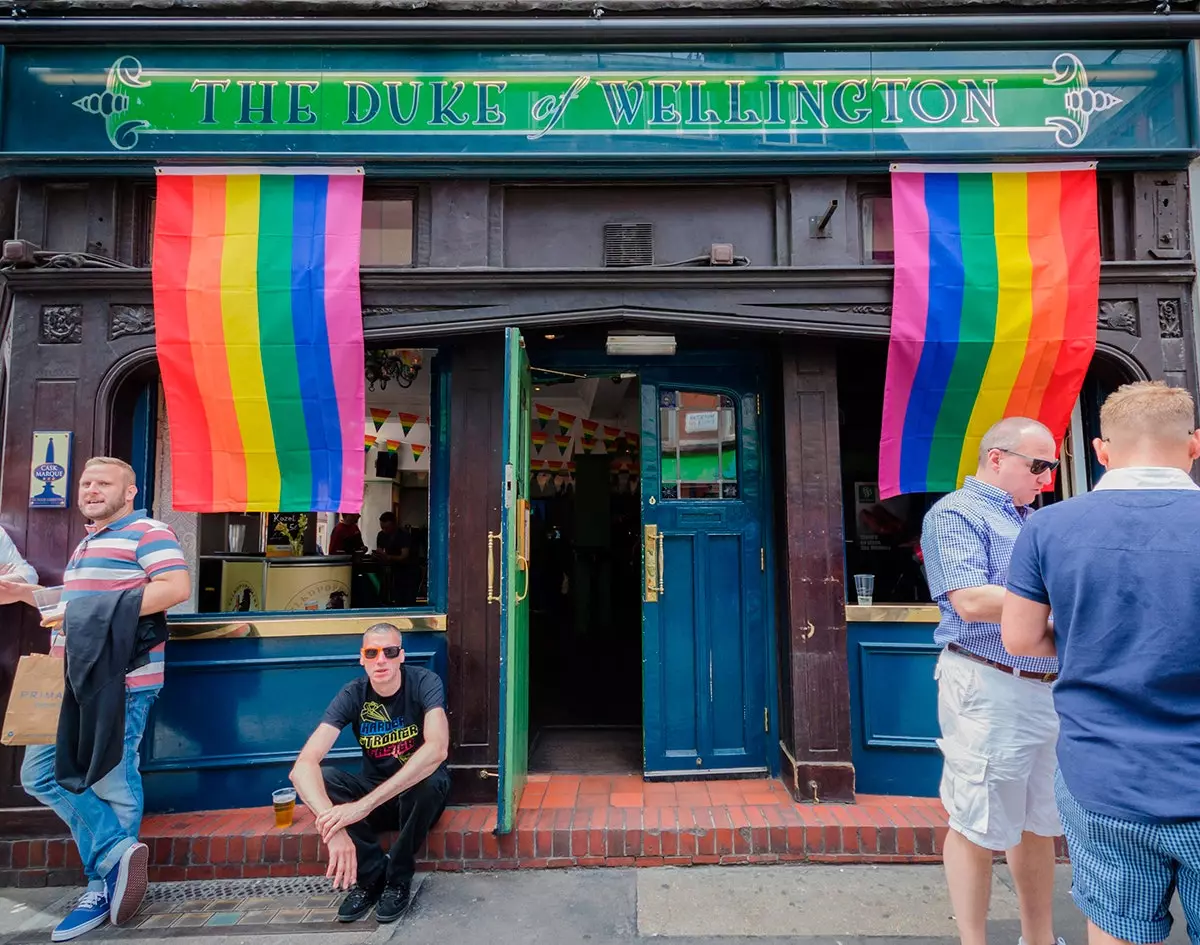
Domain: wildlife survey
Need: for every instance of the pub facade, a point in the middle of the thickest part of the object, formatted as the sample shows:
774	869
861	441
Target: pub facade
626	304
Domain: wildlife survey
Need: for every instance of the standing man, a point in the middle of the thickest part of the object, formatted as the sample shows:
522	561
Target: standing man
398	714
995	709
1120	567
123	549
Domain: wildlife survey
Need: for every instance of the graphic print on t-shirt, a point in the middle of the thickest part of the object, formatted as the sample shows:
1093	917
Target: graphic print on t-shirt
381	736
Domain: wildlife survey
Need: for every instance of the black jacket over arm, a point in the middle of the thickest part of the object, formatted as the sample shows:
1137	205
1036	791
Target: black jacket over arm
106	638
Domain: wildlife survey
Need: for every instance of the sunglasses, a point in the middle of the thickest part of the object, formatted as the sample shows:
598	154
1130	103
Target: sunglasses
372	652
1036	466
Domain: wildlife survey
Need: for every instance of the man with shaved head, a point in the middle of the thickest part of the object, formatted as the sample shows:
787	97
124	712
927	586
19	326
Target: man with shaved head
398	715
1120	567
995	708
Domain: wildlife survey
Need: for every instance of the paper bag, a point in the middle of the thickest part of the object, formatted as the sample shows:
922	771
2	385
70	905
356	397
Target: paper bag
33	706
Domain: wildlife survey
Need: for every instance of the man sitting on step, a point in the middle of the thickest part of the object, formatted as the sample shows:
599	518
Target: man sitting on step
398	714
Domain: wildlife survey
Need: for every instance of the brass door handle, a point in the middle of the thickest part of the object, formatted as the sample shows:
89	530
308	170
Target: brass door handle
651	542
662	564
523	565
492	596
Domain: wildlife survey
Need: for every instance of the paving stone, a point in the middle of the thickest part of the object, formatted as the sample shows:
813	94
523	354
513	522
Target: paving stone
321	915
258	917
224	918
289	916
192	920
160	920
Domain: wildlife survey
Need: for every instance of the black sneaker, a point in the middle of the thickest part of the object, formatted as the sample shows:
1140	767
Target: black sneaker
358	903
393	903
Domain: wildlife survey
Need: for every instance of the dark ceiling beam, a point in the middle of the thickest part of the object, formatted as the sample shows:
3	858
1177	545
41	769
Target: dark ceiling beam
609	30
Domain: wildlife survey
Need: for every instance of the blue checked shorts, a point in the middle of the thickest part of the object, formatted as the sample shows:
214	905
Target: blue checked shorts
1125	873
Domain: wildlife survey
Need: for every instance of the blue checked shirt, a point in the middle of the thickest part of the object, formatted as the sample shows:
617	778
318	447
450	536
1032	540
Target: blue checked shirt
967	539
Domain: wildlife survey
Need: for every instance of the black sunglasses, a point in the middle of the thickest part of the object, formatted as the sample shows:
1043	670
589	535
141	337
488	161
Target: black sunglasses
372	652
1036	466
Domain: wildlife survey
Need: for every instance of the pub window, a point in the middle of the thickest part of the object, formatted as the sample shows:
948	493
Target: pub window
324	562
387	231
878	246
1114	208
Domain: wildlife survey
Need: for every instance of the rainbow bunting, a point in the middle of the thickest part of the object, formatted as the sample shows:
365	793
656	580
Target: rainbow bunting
565	422
589	426
589	439
379	416
393	446
570	467
407	420
417	450
611	434
994	311
554	464
544	414
258	323
539	439
562	442
369	440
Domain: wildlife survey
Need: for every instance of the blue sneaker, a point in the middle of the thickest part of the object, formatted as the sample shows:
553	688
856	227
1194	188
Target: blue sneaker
89	913
126	883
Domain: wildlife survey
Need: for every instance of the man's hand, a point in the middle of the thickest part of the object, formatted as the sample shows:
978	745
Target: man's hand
13	592
343	860
340	817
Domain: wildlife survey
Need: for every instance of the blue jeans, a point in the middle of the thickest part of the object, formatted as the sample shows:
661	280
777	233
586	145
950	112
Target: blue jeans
106	817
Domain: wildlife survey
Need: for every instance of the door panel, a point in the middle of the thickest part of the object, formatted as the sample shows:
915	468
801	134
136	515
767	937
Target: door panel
705	639
513	593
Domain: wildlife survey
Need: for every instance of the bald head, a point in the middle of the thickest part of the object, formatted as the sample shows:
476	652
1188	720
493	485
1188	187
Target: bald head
1148	424
1008	434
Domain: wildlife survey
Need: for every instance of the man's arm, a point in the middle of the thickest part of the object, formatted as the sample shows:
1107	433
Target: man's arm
978	604
1025	627
424	762
956	566
309	783
165	590
17	576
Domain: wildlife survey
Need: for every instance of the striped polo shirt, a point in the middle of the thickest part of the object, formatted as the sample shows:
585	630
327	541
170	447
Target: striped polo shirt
124	554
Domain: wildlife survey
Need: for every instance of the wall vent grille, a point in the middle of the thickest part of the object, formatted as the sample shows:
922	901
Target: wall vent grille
628	244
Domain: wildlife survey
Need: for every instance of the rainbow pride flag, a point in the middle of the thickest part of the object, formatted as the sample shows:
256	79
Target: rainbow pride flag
993	314
258	323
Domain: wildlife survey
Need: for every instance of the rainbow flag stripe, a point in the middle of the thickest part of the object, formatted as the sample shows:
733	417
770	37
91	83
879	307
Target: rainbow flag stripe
993	315
258	322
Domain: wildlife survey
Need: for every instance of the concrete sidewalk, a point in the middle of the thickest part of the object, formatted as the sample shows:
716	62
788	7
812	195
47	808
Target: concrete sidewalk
751	905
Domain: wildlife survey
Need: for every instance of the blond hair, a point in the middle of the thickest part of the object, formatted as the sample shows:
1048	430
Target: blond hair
113	461
1148	409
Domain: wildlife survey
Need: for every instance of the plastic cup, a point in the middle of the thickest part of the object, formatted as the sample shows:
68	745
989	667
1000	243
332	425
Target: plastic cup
50	604
284	801
864	588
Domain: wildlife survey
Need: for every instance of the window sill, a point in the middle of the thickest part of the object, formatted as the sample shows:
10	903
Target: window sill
235	626
893	613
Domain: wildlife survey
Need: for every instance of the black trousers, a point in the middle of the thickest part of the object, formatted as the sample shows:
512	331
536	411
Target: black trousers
413	814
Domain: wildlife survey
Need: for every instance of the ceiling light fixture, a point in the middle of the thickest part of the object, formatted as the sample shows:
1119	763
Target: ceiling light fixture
640	344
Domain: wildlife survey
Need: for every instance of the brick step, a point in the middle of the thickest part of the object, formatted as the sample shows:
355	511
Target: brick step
555	828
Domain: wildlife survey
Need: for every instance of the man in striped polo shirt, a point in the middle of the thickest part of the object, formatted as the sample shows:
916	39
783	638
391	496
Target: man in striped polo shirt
123	549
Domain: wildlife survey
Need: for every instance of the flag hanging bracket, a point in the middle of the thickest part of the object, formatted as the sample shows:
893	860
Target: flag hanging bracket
818	226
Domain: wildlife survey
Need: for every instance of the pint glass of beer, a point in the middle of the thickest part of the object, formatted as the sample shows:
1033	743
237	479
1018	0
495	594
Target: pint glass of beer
285	806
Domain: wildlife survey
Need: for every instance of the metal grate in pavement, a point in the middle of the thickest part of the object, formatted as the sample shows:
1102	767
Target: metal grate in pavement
220	907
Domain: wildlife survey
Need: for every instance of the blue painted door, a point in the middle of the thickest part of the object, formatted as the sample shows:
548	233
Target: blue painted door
705	629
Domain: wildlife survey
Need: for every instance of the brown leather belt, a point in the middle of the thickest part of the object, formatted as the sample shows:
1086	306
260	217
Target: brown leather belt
1023	673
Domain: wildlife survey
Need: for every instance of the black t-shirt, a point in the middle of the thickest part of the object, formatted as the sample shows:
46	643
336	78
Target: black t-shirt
389	728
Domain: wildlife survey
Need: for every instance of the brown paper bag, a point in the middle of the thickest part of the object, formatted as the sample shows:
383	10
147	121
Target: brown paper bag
33	706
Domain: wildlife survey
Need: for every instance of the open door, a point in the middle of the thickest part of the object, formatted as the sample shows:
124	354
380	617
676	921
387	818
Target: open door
511	592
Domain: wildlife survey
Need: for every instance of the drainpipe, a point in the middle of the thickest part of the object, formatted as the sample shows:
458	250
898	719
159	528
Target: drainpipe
627	32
